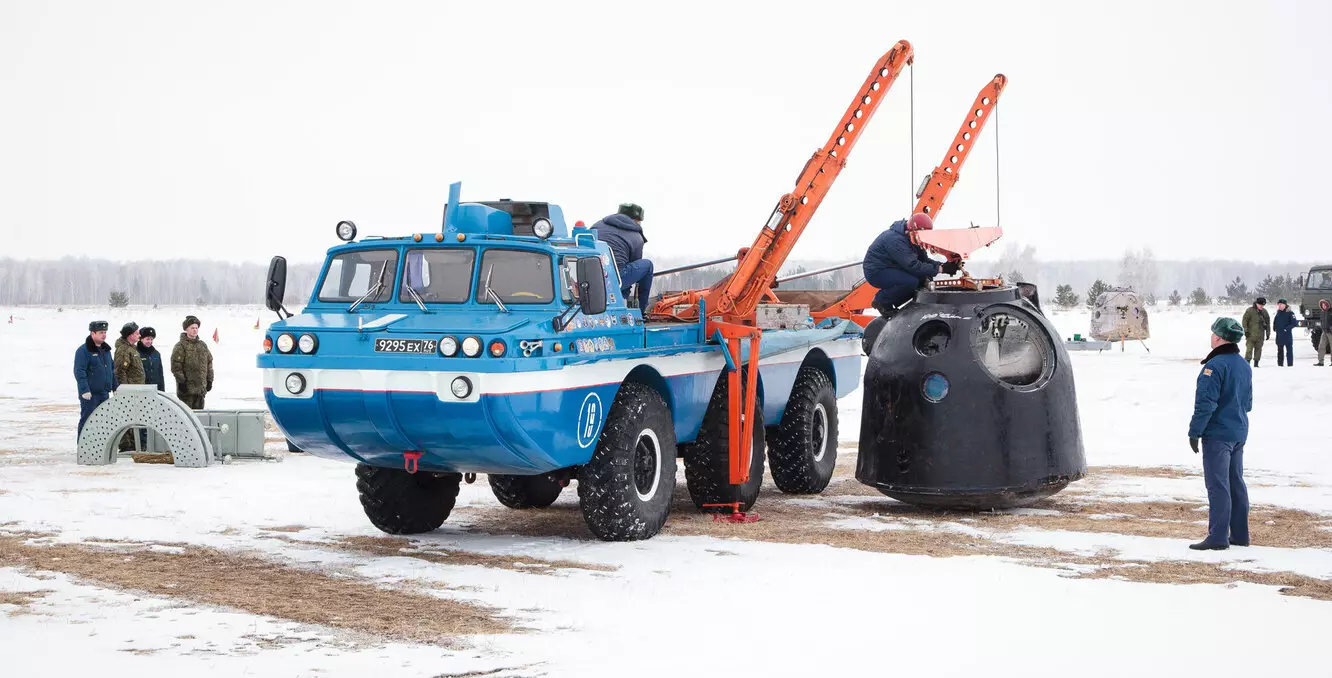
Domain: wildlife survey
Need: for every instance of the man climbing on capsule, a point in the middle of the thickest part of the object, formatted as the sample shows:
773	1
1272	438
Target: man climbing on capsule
900	267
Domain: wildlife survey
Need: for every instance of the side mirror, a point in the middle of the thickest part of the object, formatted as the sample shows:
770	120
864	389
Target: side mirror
591	285
276	289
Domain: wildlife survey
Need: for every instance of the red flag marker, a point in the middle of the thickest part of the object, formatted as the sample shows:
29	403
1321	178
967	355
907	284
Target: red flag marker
214	336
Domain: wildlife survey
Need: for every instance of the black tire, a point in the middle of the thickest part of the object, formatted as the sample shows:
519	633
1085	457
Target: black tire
625	490
1315	334
708	462
399	502
525	492
802	449
872	331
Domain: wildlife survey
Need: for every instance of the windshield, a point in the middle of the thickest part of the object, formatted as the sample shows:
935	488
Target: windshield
1319	280
441	276
517	277
352	274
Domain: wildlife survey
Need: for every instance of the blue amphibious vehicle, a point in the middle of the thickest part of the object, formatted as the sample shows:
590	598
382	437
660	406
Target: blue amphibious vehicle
500	345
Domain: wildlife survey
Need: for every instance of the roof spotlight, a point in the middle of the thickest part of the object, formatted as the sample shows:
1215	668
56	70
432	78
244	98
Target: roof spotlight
543	228
346	231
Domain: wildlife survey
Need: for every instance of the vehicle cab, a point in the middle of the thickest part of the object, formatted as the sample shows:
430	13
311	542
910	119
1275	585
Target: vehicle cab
405	337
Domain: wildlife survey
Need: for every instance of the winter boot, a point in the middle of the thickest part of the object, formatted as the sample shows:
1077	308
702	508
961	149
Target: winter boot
1204	546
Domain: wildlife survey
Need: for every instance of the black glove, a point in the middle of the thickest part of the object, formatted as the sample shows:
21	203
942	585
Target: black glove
1193	443
950	267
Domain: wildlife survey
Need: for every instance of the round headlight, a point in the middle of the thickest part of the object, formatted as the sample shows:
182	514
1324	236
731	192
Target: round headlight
307	343
461	387
346	231
543	228
286	343
295	384
448	347
471	347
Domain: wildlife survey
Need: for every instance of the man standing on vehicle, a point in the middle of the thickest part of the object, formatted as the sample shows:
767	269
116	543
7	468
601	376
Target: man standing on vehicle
1284	325
623	233
94	371
192	365
1257	329
1324	322
1221	408
899	267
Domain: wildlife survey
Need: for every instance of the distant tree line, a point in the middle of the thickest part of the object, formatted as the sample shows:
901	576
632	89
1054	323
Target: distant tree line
88	282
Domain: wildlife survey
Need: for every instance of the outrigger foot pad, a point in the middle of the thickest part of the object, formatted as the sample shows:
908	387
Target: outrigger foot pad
739	517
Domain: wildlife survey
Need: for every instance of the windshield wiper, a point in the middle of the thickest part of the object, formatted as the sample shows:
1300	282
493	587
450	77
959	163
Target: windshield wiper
490	293
374	289
417	298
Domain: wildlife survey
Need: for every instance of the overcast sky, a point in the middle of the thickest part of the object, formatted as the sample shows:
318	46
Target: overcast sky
240	130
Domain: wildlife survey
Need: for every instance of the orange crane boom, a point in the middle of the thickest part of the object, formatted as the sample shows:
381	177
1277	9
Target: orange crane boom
736	297
930	197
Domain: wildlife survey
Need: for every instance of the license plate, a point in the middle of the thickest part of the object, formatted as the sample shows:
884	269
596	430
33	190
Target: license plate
384	345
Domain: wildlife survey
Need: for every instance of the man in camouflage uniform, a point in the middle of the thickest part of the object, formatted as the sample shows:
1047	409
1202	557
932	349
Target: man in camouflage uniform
129	370
192	365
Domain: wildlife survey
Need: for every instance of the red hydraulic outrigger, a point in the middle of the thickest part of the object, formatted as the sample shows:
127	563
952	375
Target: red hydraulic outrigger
730	304
957	243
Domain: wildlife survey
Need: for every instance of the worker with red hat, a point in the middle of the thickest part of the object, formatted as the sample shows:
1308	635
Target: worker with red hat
900	267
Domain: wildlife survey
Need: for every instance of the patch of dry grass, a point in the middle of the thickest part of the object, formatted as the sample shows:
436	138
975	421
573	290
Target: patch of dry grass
258	586
1170	472
21	600
423	550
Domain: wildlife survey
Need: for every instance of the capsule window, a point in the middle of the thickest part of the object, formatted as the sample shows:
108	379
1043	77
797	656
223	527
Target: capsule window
932	338
1014	349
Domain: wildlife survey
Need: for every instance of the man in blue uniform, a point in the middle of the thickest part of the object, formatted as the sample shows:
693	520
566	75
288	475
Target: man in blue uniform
94	371
1221	421
623	233
899	267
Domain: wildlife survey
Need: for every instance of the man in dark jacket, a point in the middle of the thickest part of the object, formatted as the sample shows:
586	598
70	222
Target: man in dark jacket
623	233
1324	324
1257	329
151	359
899	267
1221	408
94	371
1284	325
192	365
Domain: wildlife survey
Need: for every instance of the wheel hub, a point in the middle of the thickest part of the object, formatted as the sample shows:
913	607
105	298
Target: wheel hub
819	432
647	465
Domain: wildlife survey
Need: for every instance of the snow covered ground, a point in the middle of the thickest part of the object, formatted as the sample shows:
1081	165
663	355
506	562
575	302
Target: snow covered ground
271	569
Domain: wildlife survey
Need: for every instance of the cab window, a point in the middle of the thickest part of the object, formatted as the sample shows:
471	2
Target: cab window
351	275
438	276
516	277
1319	280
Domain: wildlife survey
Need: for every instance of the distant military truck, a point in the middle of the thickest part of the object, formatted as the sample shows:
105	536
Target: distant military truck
1317	285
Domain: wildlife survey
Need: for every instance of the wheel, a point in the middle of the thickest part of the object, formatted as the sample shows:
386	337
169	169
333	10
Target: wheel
1315	334
872	331
399	502
802	449
707	460
525	492
625	490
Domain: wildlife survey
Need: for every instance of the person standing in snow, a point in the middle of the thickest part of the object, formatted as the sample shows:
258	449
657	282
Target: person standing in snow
192	365
1220	421
1284	324
129	369
151	358
1324	323
94	371
623	234
1257	329
899	267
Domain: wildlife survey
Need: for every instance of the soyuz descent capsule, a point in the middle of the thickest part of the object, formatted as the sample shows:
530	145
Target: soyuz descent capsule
969	403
